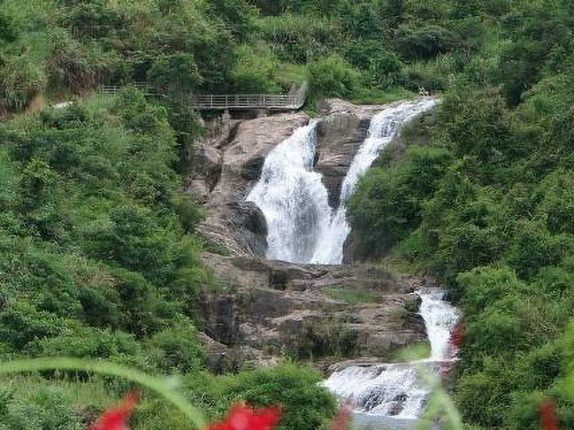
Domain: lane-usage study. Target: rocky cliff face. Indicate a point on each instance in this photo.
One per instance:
(281, 306)
(224, 168)
(275, 306)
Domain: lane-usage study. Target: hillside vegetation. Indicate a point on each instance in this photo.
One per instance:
(98, 252)
(485, 203)
(367, 50)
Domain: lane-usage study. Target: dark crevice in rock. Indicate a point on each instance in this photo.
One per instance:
(230, 137)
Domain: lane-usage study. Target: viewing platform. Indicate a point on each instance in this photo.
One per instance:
(294, 100)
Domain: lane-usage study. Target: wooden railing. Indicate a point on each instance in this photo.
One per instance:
(292, 101)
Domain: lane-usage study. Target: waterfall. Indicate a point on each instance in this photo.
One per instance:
(293, 198)
(440, 319)
(384, 127)
(302, 227)
(394, 390)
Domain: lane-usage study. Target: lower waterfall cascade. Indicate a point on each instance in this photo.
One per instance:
(394, 390)
(304, 229)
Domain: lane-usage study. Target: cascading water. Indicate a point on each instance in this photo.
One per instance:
(292, 198)
(394, 390)
(384, 127)
(302, 227)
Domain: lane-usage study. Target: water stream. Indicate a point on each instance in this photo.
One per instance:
(384, 127)
(293, 198)
(303, 228)
(396, 390)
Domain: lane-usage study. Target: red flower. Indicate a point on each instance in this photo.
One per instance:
(454, 343)
(456, 335)
(548, 419)
(115, 418)
(242, 417)
(342, 418)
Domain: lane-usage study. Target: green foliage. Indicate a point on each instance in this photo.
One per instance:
(253, 71)
(40, 410)
(113, 253)
(332, 77)
(299, 38)
(238, 14)
(387, 201)
(177, 70)
(176, 349)
(426, 41)
(351, 297)
(306, 405)
(322, 338)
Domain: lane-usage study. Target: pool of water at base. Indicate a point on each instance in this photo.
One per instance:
(365, 421)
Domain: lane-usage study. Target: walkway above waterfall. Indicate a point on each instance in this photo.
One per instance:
(294, 100)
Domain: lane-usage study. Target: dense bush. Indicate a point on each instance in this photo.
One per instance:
(253, 72)
(299, 38)
(387, 202)
(495, 223)
(102, 256)
(333, 77)
(425, 41)
(305, 404)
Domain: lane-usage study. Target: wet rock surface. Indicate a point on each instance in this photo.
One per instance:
(279, 306)
(260, 307)
(223, 169)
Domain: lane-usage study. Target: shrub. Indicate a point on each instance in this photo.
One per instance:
(333, 77)
(176, 349)
(253, 71)
(20, 81)
(44, 409)
(424, 41)
(296, 390)
(300, 38)
(83, 342)
(382, 66)
(21, 323)
(386, 206)
(177, 71)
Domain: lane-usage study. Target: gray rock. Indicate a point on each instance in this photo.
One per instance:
(224, 168)
(282, 305)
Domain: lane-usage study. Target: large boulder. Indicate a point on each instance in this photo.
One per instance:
(225, 166)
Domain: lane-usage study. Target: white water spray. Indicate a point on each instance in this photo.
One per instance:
(384, 127)
(292, 198)
(394, 390)
(302, 227)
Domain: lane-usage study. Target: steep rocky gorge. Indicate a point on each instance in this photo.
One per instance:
(273, 306)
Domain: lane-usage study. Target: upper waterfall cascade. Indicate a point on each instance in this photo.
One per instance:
(302, 227)
(292, 198)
